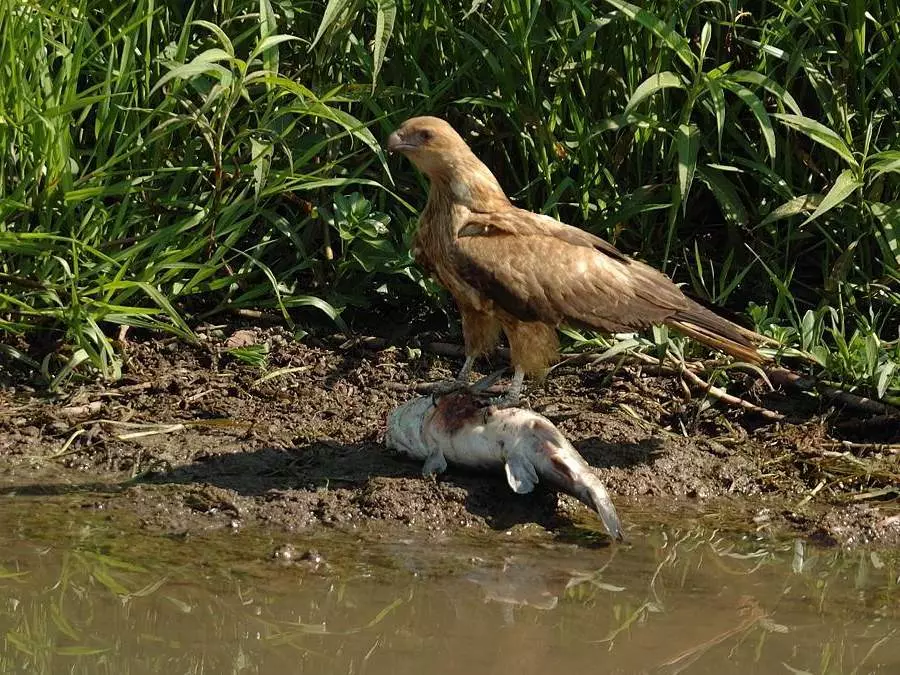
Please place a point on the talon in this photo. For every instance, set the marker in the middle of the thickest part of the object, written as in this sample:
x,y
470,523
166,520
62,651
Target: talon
x,y
513,395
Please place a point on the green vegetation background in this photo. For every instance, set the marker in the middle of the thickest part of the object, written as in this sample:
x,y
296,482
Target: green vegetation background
x,y
165,162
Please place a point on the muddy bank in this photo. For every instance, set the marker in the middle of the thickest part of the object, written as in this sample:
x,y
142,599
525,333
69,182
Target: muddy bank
x,y
194,437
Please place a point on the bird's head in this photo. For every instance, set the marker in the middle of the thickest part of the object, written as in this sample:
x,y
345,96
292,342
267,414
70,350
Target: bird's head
x,y
430,143
441,154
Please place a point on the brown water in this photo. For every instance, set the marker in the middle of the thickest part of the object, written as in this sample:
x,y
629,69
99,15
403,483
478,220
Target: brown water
x,y
80,594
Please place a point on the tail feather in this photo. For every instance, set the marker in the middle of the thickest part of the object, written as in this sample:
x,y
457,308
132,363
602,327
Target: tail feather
x,y
709,328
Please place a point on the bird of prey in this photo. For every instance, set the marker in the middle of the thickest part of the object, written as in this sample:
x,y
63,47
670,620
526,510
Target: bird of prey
x,y
526,274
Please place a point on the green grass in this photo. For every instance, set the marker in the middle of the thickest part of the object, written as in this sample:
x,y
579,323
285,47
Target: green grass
x,y
168,165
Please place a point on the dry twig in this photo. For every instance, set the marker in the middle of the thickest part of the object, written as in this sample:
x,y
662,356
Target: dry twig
x,y
788,378
721,394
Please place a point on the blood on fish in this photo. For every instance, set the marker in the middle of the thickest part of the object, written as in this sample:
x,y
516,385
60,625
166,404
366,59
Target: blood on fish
x,y
454,411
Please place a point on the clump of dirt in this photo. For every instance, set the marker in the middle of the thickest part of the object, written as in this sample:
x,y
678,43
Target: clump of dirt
x,y
200,436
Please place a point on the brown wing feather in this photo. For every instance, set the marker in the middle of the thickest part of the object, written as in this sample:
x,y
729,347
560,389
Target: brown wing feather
x,y
538,269
540,272
525,223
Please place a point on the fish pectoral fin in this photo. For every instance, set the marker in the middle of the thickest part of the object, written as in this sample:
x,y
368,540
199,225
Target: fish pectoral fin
x,y
520,474
434,463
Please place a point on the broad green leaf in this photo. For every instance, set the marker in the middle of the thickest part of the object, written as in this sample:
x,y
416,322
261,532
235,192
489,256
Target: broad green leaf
x,y
283,82
268,26
793,207
820,134
719,71
318,303
108,190
268,20
224,40
189,70
660,28
344,119
77,358
687,141
718,103
184,36
705,35
841,268
857,24
619,347
260,155
651,85
889,217
333,10
808,329
843,187
871,352
723,190
758,109
267,44
884,162
885,374
212,56
752,77
384,27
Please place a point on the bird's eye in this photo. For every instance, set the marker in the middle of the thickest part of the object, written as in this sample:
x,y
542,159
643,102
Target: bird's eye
x,y
425,135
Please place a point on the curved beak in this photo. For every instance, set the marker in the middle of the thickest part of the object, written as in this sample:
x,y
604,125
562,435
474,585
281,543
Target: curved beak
x,y
395,143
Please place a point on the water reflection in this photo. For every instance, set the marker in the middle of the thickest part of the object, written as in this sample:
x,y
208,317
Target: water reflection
x,y
86,597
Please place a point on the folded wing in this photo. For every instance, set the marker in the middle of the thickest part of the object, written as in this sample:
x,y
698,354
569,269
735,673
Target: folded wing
x,y
538,269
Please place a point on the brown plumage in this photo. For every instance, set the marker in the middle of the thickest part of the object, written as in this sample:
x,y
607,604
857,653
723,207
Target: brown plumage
x,y
526,274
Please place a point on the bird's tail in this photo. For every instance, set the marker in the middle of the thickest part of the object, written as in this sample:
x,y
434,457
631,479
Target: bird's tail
x,y
714,331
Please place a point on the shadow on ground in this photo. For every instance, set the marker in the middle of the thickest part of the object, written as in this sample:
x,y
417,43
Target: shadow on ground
x,y
334,483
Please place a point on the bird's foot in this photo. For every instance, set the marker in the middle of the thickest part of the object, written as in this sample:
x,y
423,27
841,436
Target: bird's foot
x,y
479,388
459,383
513,395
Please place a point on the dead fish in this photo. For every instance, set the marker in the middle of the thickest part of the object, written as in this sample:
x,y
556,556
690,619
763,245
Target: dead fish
x,y
459,428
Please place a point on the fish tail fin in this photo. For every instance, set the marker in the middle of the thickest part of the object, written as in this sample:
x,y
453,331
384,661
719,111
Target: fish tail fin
x,y
580,481
600,500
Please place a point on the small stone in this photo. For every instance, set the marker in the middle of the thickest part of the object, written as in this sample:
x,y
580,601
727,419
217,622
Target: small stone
x,y
284,553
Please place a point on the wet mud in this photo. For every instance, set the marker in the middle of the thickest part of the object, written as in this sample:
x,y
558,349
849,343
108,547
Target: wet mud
x,y
195,438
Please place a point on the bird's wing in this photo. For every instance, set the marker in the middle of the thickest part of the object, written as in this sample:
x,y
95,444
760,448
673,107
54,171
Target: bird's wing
x,y
525,223
539,269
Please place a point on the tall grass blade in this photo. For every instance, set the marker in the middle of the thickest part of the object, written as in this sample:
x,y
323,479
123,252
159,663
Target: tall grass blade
x,y
845,185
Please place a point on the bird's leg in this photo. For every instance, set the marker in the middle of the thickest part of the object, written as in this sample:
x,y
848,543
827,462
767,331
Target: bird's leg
x,y
460,382
466,371
511,398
